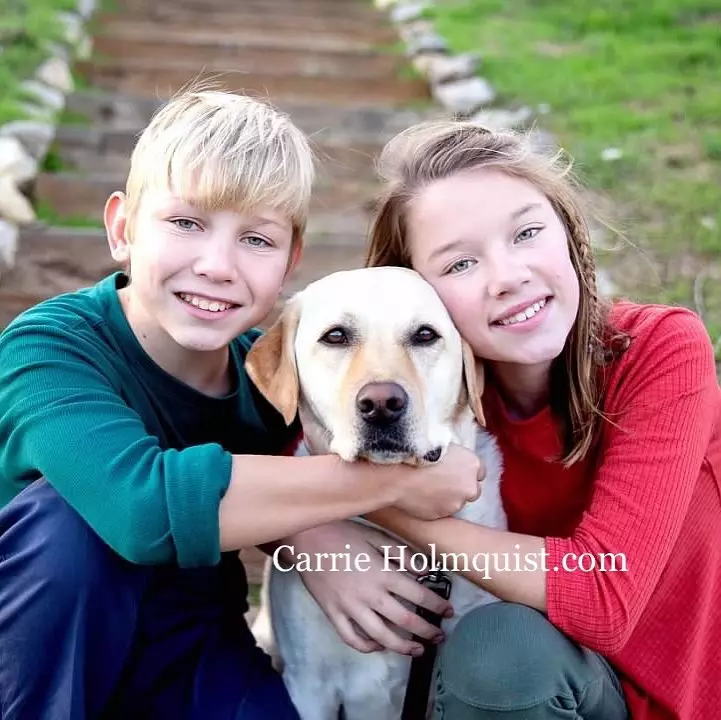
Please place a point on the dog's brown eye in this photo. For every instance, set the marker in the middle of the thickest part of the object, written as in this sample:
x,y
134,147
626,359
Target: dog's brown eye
x,y
336,336
425,335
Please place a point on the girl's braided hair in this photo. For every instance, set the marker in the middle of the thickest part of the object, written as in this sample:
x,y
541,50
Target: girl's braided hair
x,y
436,150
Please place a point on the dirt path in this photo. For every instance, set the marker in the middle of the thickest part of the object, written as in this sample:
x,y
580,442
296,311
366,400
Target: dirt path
x,y
326,62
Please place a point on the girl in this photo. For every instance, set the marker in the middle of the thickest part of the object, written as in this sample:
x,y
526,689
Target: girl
x,y
608,417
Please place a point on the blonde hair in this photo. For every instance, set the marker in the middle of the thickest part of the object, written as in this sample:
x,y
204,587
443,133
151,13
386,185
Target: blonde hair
x,y
219,150
432,151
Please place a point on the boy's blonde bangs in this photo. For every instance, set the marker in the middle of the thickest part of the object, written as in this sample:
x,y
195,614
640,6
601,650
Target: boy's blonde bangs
x,y
219,151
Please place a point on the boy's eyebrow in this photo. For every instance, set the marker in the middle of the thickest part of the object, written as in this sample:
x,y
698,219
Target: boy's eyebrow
x,y
268,221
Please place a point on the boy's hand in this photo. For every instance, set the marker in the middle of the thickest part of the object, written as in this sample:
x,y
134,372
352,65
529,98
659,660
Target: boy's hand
x,y
366,606
442,489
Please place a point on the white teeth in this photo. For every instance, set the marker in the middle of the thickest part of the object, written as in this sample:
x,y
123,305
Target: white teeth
x,y
524,315
203,304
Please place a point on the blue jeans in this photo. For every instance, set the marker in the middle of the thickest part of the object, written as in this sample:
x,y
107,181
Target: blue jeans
x,y
85,634
508,662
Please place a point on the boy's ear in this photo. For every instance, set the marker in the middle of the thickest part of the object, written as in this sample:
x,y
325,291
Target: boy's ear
x,y
271,366
473,380
116,220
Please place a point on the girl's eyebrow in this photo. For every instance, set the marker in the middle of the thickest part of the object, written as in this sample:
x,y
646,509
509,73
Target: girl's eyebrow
x,y
525,209
447,247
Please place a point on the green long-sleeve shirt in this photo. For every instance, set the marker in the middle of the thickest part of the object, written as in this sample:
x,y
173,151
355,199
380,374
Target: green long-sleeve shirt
x,y
144,458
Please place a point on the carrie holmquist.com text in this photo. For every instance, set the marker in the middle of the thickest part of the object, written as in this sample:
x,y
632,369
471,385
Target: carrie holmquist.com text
x,y
401,557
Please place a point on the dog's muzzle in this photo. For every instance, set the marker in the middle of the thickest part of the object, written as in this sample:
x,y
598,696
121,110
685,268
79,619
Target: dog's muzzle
x,y
382,411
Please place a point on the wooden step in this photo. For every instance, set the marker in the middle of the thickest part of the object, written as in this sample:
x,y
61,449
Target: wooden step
x,y
163,78
373,29
267,9
51,261
269,57
262,37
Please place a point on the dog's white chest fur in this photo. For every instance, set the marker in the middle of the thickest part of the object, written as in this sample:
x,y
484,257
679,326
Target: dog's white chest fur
x,y
322,672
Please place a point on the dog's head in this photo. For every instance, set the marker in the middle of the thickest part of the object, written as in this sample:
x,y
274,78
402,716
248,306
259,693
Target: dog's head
x,y
374,365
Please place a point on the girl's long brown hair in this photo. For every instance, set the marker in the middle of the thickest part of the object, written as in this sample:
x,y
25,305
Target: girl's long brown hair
x,y
433,151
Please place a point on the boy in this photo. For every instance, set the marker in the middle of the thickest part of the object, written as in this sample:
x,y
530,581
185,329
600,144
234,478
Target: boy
x,y
136,458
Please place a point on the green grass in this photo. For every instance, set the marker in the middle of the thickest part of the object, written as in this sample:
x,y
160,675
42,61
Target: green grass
x,y
630,74
50,216
28,28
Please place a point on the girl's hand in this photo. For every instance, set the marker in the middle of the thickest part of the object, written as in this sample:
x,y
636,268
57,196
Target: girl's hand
x,y
362,604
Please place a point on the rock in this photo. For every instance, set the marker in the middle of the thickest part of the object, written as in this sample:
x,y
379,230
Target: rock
x,y
86,8
709,222
464,96
611,153
8,243
423,62
426,43
500,119
14,206
15,162
455,67
55,73
49,98
35,135
73,24
16,168
416,29
84,47
409,11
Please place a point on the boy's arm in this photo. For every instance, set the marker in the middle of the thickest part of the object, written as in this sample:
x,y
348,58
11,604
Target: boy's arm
x,y
273,497
62,414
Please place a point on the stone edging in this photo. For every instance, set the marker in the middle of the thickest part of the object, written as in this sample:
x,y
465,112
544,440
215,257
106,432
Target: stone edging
x,y
24,144
454,81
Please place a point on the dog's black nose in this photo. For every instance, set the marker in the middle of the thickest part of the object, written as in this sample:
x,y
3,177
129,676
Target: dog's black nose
x,y
382,403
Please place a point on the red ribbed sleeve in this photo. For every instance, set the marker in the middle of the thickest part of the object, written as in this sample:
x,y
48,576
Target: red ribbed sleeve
x,y
662,409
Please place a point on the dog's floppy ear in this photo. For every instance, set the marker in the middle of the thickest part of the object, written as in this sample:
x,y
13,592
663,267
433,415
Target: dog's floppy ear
x,y
473,376
270,363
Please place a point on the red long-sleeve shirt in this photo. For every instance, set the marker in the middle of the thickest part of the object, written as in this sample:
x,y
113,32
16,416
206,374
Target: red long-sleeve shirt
x,y
653,493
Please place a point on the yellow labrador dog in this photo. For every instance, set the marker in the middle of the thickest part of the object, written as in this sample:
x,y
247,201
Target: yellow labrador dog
x,y
375,368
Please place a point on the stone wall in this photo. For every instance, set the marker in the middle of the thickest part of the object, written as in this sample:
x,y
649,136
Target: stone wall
x,y
24,143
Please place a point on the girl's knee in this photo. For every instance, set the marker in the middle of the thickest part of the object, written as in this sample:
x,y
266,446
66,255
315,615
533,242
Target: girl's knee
x,y
504,656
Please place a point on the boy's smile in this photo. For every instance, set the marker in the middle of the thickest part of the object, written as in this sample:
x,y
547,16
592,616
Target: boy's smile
x,y
205,307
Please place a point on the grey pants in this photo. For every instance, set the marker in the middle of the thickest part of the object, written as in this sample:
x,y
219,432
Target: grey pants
x,y
507,661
